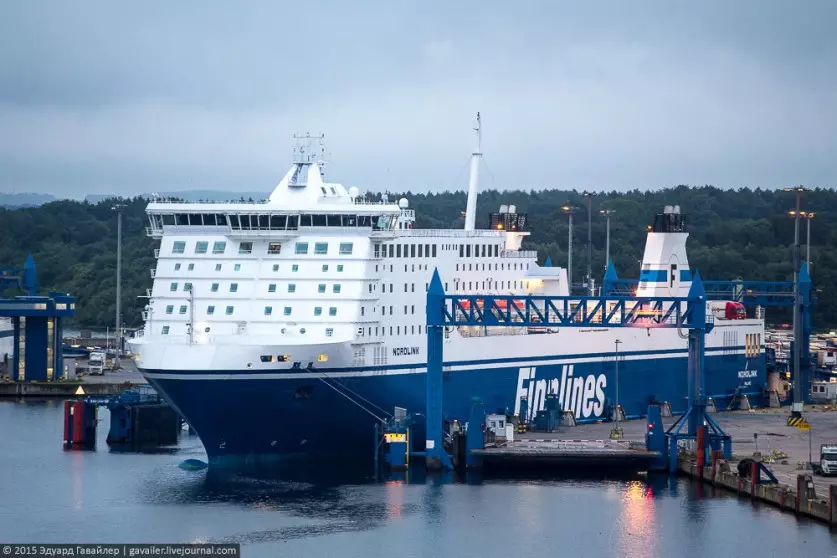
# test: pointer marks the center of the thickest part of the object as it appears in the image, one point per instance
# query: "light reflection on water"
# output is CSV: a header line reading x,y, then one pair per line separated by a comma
x,y
59,496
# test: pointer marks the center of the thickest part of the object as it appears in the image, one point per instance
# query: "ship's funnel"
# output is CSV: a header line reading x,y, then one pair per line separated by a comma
x,y
665,266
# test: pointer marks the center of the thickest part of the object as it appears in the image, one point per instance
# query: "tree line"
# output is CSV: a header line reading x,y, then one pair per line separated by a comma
x,y
733,233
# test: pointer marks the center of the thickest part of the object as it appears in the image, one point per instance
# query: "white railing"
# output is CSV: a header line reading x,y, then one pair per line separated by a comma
x,y
519,254
192,202
450,233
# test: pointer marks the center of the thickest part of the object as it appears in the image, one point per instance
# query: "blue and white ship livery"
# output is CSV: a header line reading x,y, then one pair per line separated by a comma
x,y
277,328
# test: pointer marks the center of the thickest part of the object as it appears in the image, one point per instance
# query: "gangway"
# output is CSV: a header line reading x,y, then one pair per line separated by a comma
x,y
687,313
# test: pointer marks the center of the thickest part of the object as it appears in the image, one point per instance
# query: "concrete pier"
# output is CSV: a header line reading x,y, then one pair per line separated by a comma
x,y
112,382
763,435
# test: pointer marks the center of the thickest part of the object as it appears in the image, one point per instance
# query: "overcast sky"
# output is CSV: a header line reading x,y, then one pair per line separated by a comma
x,y
130,97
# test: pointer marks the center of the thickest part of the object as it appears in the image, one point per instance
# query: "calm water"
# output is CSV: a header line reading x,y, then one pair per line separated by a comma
x,y
49,495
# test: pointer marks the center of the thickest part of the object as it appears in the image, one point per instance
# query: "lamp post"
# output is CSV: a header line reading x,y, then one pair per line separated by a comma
x,y
607,213
616,432
569,210
808,216
798,384
589,196
118,337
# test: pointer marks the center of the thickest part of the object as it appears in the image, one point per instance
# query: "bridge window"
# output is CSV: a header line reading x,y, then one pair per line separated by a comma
x,y
169,309
301,248
219,247
321,248
214,287
274,248
178,247
201,247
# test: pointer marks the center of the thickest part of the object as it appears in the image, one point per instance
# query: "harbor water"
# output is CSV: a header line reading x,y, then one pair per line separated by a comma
x,y
54,496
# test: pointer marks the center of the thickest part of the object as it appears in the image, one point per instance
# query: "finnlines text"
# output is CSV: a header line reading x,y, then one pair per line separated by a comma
x,y
583,395
120,550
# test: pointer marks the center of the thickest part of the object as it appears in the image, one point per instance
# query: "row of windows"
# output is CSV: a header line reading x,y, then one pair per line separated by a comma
x,y
393,330
273,248
268,310
409,251
271,222
329,331
271,287
497,267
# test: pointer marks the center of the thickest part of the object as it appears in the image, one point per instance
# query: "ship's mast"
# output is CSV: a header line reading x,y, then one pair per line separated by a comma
x,y
473,182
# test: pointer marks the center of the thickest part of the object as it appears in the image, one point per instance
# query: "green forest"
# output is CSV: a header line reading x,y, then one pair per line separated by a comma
x,y
734,233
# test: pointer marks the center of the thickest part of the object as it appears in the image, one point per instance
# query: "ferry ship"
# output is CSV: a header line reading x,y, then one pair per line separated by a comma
x,y
285,328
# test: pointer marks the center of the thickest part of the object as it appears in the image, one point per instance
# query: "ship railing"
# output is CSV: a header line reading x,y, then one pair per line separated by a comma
x,y
519,254
239,201
450,233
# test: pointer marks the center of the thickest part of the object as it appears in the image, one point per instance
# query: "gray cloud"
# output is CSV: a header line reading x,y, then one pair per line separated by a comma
x,y
110,97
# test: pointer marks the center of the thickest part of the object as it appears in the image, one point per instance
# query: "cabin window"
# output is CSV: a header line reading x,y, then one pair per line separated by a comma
x,y
340,268
268,310
233,287
214,287
177,267
421,250
245,248
329,331
165,330
321,248
332,311
318,310
275,267
346,248
321,288
301,248
325,268
274,248
398,251
178,247
219,247
336,288
187,287
412,250
182,309
191,267
291,288
210,310
201,247
266,358
173,287
217,267
237,267
271,288
229,310
287,311
169,309
295,268
461,250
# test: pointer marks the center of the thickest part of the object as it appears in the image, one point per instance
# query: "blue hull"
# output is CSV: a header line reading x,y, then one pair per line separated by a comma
x,y
252,419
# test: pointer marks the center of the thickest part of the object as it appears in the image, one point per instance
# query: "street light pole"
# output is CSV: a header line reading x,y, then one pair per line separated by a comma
x,y
607,213
616,432
589,196
569,210
798,383
118,336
